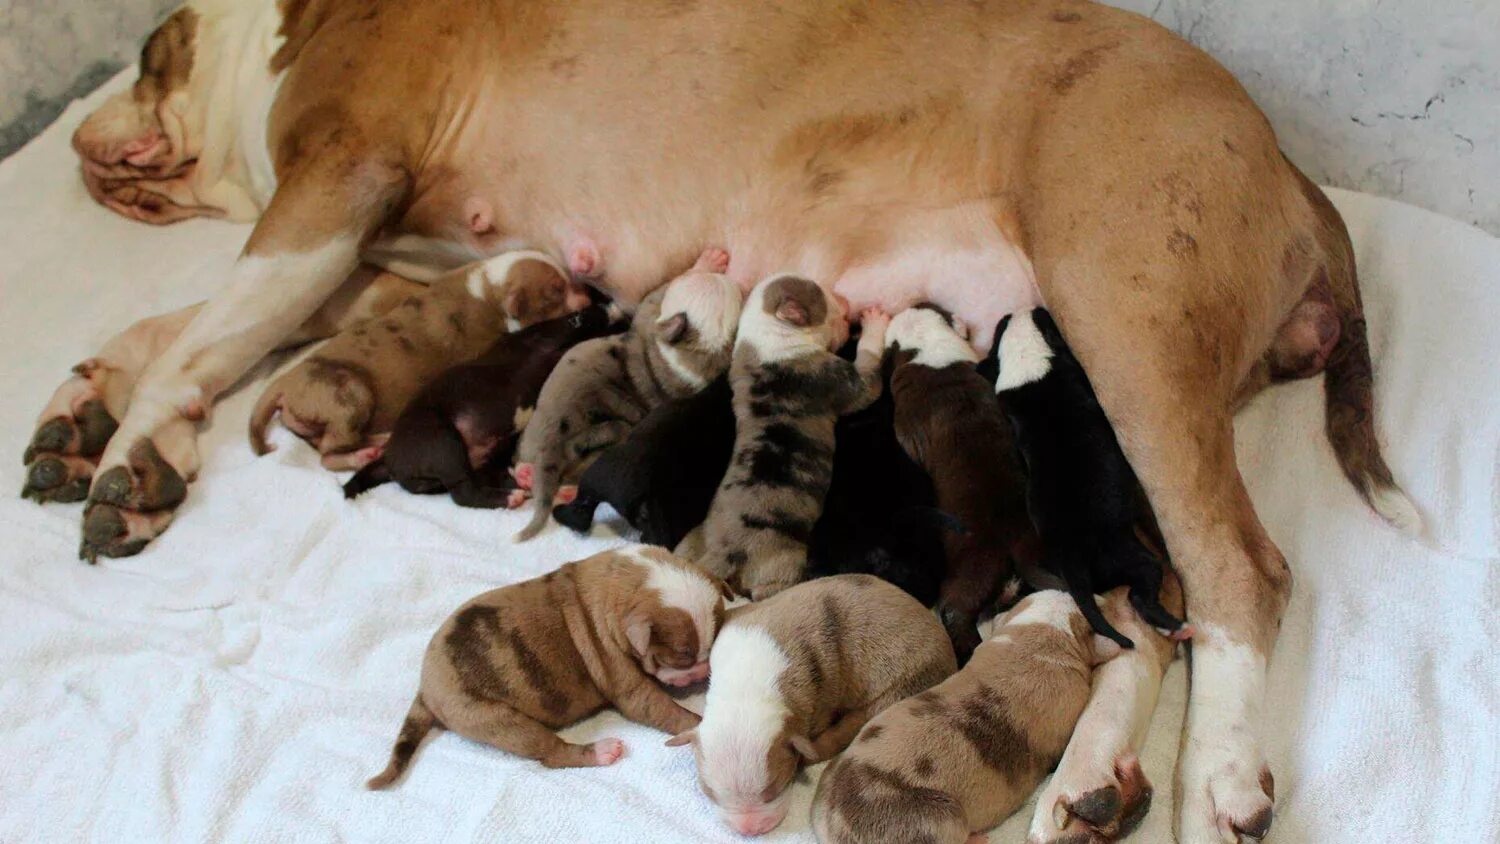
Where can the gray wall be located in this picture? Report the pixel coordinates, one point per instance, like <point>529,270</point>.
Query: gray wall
<point>1395,97</point>
<point>54,50</point>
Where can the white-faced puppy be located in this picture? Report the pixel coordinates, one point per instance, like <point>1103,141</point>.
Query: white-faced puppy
<point>961,756</point>
<point>680,340</point>
<point>1082,494</point>
<point>796,676</point>
<point>790,389</point>
<point>516,663</point>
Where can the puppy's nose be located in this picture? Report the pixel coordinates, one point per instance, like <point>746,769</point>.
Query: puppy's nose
<point>755,823</point>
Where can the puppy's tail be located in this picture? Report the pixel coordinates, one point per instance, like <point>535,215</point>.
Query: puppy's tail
<point>419,722</point>
<point>260,418</point>
<point>543,489</point>
<point>372,475</point>
<point>1349,384</point>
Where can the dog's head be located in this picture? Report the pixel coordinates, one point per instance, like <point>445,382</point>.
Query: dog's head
<point>788,315</point>
<point>674,617</point>
<point>1025,346</point>
<point>929,336</point>
<point>699,312</point>
<point>172,146</point>
<point>527,288</point>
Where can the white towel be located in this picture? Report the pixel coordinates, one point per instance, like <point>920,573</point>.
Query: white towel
<point>240,679</point>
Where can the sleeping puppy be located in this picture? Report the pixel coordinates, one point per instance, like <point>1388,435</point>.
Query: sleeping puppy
<point>1081,492</point>
<point>516,663</point>
<point>963,755</point>
<point>881,515</point>
<point>458,434</point>
<point>949,422</point>
<point>679,341</point>
<point>789,391</point>
<point>662,477</point>
<point>795,677</point>
<point>345,397</point>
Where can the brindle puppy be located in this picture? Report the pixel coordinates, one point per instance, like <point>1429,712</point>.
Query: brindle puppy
<point>678,342</point>
<point>458,434</point>
<point>789,391</point>
<point>346,396</point>
<point>516,663</point>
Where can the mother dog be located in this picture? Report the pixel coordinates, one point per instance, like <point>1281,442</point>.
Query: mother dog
<point>980,155</point>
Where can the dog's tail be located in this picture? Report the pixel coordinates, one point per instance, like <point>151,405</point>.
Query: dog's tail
<point>543,489</point>
<point>419,722</point>
<point>374,473</point>
<point>260,419</point>
<point>1349,381</point>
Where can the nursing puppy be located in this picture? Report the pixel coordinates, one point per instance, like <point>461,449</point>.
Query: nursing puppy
<point>949,422</point>
<point>679,341</point>
<point>789,391</point>
<point>458,434</point>
<point>345,397</point>
<point>963,755</point>
<point>793,680</point>
<point>662,477</point>
<point>1081,491</point>
<point>516,663</point>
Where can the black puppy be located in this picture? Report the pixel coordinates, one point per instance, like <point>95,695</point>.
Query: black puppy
<point>458,434</point>
<point>880,516</point>
<point>661,478</point>
<point>1081,492</point>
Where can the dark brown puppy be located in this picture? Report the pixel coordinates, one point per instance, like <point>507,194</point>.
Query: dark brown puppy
<point>948,420</point>
<point>458,434</point>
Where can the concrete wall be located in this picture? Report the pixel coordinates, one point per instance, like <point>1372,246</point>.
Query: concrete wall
<point>1395,97</point>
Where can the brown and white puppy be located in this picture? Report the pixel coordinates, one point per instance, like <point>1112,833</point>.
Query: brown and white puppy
<point>789,391</point>
<point>961,756</point>
<point>346,396</point>
<point>949,422</point>
<point>796,676</point>
<point>679,341</point>
<point>516,663</point>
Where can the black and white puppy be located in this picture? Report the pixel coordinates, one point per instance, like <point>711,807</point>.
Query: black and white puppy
<point>662,477</point>
<point>1081,492</point>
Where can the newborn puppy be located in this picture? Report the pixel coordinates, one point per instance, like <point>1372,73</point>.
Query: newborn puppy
<point>514,664</point>
<point>344,398</point>
<point>961,756</point>
<point>949,422</point>
<point>1081,491</point>
<point>789,391</point>
<point>795,677</point>
<point>881,515</point>
<point>679,341</point>
<point>458,434</point>
<point>662,477</point>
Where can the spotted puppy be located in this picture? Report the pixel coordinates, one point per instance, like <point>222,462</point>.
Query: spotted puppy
<point>963,755</point>
<point>1082,494</point>
<point>514,664</point>
<point>679,341</point>
<point>346,396</point>
<point>949,422</point>
<point>793,680</point>
<point>457,436</point>
<point>789,391</point>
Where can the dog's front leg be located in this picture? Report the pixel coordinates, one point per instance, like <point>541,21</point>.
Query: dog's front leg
<point>303,248</point>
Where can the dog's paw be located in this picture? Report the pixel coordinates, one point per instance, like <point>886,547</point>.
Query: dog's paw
<point>608,751</point>
<point>1086,803</point>
<point>1230,802</point>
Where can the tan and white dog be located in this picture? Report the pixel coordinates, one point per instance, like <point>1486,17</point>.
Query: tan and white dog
<point>980,156</point>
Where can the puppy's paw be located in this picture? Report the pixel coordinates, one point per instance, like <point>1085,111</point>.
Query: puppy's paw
<point>608,751</point>
<point>524,474</point>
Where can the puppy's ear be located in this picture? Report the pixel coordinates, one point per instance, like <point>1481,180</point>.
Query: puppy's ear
<point>961,328</point>
<point>683,738</point>
<point>672,329</point>
<point>638,631</point>
<point>804,748</point>
<point>792,312</point>
<point>723,588</point>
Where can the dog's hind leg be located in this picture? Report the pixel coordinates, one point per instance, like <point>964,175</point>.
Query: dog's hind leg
<point>304,247</point>
<point>500,725</point>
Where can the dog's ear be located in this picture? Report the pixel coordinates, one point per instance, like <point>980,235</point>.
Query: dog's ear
<point>723,588</point>
<point>673,328</point>
<point>1048,328</point>
<point>960,328</point>
<point>638,631</point>
<point>804,747</point>
<point>792,312</point>
<point>683,738</point>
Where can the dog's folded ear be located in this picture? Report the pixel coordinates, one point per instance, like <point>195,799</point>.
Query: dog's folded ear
<point>792,312</point>
<point>673,328</point>
<point>683,738</point>
<point>638,631</point>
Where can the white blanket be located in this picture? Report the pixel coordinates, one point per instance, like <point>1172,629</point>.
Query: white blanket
<point>240,679</point>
